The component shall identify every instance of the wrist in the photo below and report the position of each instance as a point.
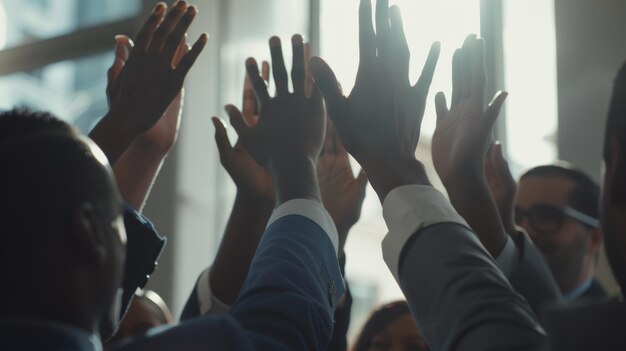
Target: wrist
(295, 178)
(388, 174)
(111, 136)
(255, 198)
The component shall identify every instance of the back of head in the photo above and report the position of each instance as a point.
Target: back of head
(52, 183)
(584, 197)
(614, 191)
(615, 137)
(378, 321)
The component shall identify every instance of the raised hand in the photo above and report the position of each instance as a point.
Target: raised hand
(247, 174)
(379, 122)
(461, 140)
(342, 193)
(501, 185)
(148, 82)
(463, 132)
(164, 133)
(290, 131)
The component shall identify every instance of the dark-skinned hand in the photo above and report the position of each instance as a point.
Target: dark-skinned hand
(342, 193)
(379, 122)
(149, 81)
(289, 134)
(247, 174)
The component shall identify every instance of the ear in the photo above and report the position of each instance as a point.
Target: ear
(597, 238)
(87, 239)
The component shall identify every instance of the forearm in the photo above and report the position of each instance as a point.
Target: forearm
(470, 196)
(135, 172)
(112, 136)
(242, 235)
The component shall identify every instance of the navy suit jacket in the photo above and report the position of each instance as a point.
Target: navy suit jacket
(286, 302)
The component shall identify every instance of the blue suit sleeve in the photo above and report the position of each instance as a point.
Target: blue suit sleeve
(294, 282)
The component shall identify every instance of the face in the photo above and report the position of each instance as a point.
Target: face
(401, 334)
(567, 246)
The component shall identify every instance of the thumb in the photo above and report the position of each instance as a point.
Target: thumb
(326, 82)
(221, 139)
(493, 110)
(441, 107)
(361, 179)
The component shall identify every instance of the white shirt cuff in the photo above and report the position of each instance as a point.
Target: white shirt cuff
(508, 258)
(206, 299)
(312, 210)
(408, 209)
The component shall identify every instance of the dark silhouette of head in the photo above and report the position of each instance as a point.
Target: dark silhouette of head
(391, 327)
(614, 194)
(61, 233)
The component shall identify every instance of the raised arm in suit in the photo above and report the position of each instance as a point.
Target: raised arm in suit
(293, 282)
(381, 108)
(460, 150)
(342, 194)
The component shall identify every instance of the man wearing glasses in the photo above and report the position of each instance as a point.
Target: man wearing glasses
(558, 206)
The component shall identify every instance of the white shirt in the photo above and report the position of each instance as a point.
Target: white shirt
(410, 208)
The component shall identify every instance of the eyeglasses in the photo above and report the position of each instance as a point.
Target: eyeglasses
(549, 219)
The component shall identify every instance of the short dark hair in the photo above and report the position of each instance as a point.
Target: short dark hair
(616, 127)
(20, 122)
(47, 170)
(378, 321)
(585, 197)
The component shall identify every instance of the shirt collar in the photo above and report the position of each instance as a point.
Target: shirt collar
(578, 291)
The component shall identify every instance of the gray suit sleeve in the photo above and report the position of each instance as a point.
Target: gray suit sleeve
(532, 277)
(459, 298)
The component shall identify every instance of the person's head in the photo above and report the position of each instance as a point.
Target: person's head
(391, 327)
(614, 192)
(146, 311)
(61, 234)
(558, 205)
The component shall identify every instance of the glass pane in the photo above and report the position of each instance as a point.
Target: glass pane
(73, 90)
(27, 21)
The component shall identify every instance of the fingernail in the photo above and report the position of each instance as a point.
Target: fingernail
(159, 8)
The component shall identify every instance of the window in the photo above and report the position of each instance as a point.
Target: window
(531, 108)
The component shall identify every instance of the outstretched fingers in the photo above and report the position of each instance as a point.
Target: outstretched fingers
(278, 67)
(441, 107)
(169, 22)
(221, 139)
(493, 109)
(237, 121)
(145, 34)
(428, 71)
(327, 84)
(367, 37)
(298, 66)
(172, 43)
(258, 84)
(190, 58)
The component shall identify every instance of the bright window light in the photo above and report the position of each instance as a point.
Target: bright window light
(530, 78)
